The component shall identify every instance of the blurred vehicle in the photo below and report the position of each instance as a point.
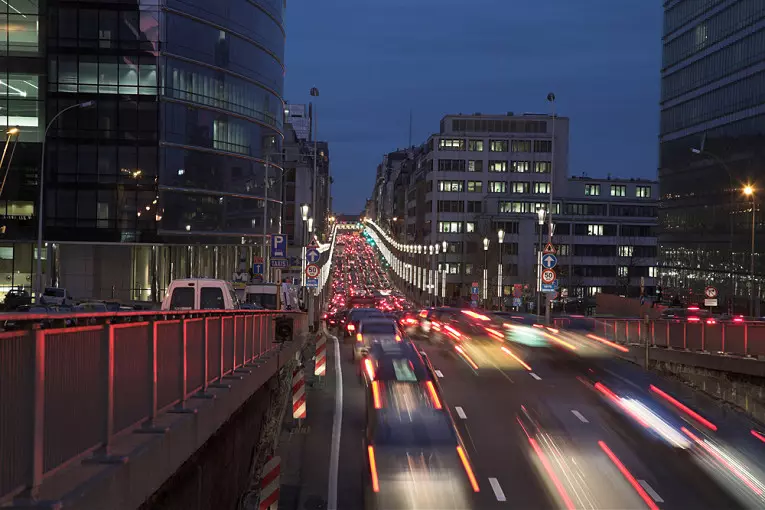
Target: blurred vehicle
(16, 298)
(425, 318)
(355, 316)
(200, 294)
(414, 457)
(690, 314)
(56, 296)
(91, 307)
(272, 296)
(374, 330)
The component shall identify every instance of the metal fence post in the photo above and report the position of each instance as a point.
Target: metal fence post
(181, 407)
(150, 426)
(38, 411)
(205, 368)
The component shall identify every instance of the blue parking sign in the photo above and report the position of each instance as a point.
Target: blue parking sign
(278, 246)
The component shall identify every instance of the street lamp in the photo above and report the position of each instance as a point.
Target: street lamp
(541, 222)
(310, 224)
(40, 208)
(304, 208)
(500, 286)
(749, 191)
(485, 270)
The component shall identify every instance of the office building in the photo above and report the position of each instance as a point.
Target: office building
(165, 175)
(711, 146)
(483, 173)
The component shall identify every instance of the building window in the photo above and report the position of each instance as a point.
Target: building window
(469, 227)
(626, 251)
(594, 230)
(521, 146)
(475, 187)
(623, 271)
(497, 187)
(468, 268)
(498, 146)
(592, 291)
(519, 187)
(20, 28)
(591, 190)
(450, 227)
(497, 166)
(564, 249)
(451, 165)
(542, 167)
(618, 190)
(643, 191)
(475, 145)
(520, 167)
(451, 144)
(541, 188)
(451, 186)
(474, 206)
(20, 105)
(653, 272)
(475, 165)
(542, 145)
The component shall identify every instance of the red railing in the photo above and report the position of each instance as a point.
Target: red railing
(66, 393)
(713, 336)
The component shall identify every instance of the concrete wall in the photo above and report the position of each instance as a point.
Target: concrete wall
(218, 473)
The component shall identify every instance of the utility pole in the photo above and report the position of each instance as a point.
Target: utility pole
(551, 99)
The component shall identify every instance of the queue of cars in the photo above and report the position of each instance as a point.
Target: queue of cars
(413, 452)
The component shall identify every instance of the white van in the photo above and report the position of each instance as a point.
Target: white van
(200, 294)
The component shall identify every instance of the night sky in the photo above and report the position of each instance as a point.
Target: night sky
(374, 60)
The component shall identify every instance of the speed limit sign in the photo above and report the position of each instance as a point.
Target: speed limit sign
(548, 276)
(312, 270)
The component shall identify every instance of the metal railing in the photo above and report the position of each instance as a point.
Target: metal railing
(67, 393)
(732, 338)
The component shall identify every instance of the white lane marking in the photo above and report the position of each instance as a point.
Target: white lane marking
(650, 491)
(535, 376)
(439, 373)
(337, 424)
(579, 415)
(460, 412)
(497, 489)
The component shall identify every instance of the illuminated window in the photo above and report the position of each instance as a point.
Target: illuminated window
(497, 187)
(450, 186)
(498, 146)
(475, 165)
(451, 144)
(591, 190)
(653, 272)
(475, 187)
(542, 188)
(626, 251)
(450, 227)
(497, 166)
(623, 271)
(469, 227)
(643, 191)
(520, 146)
(519, 187)
(20, 105)
(542, 167)
(618, 190)
(475, 145)
(520, 167)
(594, 230)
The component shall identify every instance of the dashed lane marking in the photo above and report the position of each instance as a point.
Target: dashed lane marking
(535, 376)
(497, 489)
(439, 373)
(579, 415)
(460, 412)
(650, 491)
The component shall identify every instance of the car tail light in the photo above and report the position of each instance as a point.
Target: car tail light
(693, 308)
(433, 395)
(398, 338)
(468, 469)
(738, 319)
(376, 394)
(693, 319)
(373, 468)
(711, 321)
(359, 337)
(351, 327)
(324, 316)
(370, 369)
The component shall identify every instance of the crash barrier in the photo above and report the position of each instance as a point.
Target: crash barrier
(707, 335)
(67, 393)
(320, 368)
(270, 484)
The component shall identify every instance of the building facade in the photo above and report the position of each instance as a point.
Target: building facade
(174, 171)
(483, 173)
(711, 146)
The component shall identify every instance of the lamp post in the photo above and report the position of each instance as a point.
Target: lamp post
(500, 286)
(749, 191)
(485, 270)
(436, 287)
(315, 118)
(444, 246)
(540, 222)
(40, 203)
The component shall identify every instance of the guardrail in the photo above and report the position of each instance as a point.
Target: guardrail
(67, 393)
(733, 338)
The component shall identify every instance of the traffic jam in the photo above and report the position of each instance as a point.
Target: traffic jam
(468, 408)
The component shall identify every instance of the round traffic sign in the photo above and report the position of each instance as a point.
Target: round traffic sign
(710, 292)
(312, 271)
(548, 276)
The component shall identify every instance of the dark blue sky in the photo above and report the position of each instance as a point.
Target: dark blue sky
(373, 60)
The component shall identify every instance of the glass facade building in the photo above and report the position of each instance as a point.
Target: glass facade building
(170, 171)
(712, 144)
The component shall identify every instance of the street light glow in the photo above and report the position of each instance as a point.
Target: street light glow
(501, 236)
(304, 211)
(748, 190)
(485, 244)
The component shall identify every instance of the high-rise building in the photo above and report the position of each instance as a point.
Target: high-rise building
(712, 144)
(485, 173)
(165, 175)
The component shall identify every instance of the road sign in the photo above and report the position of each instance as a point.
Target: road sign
(710, 302)
(548, 276)
(474, 304)
(257, 268)
(312, 270)
(257, 260)
(312, 282)
(549, 261)
(517, 302)
(517, 291)
(280, 263)
(312, 255)
(549, 287)
(475, 290)
(312, 244)
(549, 248)
(278, 246)
(553, 295)
(710, 293)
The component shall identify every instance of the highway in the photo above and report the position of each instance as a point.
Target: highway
(568, 425)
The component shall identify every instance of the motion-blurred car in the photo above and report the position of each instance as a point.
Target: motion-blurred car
(374, 330)
(354, 317)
